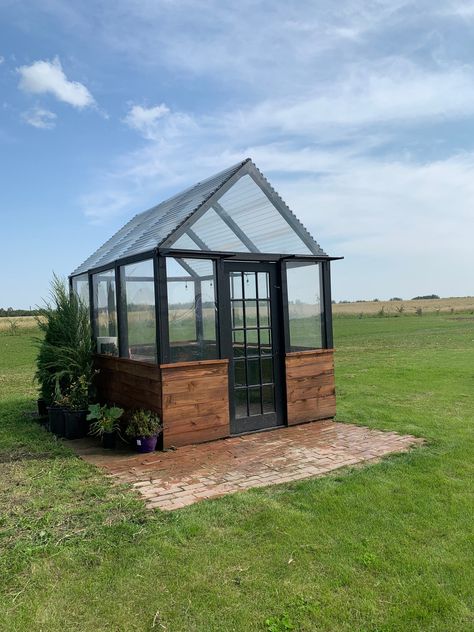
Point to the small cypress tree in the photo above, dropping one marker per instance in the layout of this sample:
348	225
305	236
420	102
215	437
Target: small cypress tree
65	349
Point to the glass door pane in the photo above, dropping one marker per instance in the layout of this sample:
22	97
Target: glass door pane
254	356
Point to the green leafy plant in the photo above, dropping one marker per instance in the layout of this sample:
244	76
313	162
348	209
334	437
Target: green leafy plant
78	394
143	423
65	347
279	624
106	418
60	399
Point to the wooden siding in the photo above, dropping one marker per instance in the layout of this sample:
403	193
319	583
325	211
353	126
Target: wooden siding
195	402
310	387
128	383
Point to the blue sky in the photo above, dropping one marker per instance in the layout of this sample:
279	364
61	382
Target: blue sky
360	112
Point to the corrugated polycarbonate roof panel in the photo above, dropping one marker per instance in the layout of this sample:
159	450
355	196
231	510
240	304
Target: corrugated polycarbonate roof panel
248	217
150	228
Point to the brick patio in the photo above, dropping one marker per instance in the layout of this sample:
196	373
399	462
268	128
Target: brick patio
173	479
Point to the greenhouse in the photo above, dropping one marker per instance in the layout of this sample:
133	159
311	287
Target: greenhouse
213	309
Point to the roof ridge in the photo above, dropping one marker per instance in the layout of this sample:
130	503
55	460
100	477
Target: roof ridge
233	170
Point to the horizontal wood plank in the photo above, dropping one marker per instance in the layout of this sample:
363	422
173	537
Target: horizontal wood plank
310	386
195	402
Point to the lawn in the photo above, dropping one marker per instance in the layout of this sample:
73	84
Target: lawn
381	548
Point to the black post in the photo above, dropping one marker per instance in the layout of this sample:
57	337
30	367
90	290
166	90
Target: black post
93	306
199	315
161	310
122	324
327	304
224	336
285	308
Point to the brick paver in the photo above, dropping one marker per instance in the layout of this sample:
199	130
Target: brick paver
176	478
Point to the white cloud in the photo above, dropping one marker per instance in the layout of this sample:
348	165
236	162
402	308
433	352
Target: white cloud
42	77
40	118
2	59
145	119
394	92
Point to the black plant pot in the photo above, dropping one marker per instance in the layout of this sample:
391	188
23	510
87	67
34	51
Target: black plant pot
159	442
56	421
109	440
42	408
75	424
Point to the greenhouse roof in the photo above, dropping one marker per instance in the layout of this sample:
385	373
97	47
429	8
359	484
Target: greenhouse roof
235	210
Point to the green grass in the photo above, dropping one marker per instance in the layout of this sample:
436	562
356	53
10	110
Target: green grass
381	548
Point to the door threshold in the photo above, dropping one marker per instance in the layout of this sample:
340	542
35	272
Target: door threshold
250	432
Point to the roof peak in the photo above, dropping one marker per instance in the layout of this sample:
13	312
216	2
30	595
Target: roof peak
164	223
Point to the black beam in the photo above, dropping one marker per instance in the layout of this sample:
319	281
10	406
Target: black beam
123	261
187	267
242	256
235	228
197	240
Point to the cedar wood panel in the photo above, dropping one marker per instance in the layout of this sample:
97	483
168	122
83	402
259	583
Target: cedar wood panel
128	383
195	402
310	386
192	398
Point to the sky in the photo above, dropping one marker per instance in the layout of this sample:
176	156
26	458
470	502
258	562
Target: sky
359	112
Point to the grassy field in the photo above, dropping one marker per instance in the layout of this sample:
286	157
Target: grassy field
388	547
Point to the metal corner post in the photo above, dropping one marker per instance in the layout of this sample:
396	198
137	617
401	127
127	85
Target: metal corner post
161	309
327	304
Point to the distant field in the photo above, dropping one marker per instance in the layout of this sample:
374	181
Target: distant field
442	305
454	305
17	322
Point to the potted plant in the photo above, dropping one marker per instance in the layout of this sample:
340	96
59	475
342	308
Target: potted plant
75	416
105	423
56	412
144	426
42	407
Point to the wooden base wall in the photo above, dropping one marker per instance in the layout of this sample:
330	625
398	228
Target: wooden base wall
310	387
192	398
195	402
128	383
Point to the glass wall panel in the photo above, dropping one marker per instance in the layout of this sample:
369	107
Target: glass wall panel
138	288
80	285
191	309
105	312
304	305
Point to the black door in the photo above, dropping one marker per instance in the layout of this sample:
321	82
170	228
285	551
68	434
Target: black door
251	337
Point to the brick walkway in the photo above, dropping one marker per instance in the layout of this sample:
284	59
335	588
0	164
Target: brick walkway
174	479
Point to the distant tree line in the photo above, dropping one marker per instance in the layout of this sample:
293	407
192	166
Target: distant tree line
9	312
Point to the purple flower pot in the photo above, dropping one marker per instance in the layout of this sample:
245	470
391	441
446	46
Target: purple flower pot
145	444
